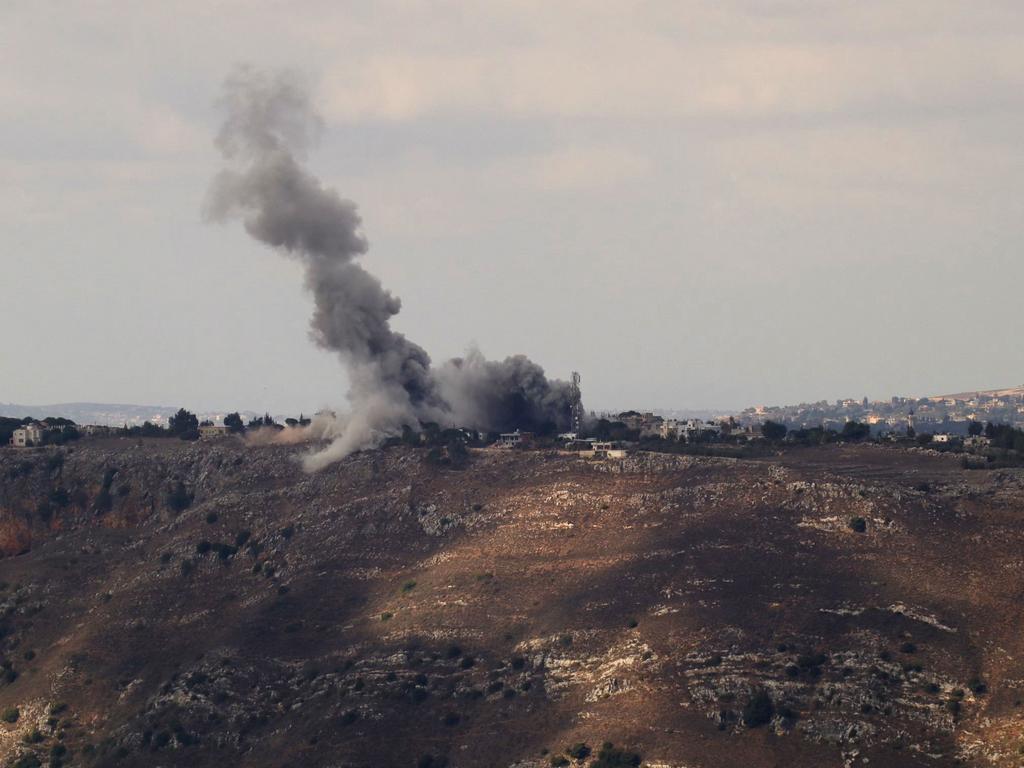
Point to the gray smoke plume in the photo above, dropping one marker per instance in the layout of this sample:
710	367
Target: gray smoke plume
270	126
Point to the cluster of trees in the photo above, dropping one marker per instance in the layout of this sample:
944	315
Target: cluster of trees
852	432
185	425
1005	437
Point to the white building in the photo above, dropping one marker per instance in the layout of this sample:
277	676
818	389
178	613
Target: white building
211	431
515	439
28	435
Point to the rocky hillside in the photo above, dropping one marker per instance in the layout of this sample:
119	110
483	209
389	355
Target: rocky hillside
171	604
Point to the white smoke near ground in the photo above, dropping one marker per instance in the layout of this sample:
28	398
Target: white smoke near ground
270	125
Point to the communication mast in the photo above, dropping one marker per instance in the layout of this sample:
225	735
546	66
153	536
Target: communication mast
576	406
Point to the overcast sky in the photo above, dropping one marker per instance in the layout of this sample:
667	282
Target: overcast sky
695	204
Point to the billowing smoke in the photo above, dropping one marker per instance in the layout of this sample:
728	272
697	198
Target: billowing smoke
270	126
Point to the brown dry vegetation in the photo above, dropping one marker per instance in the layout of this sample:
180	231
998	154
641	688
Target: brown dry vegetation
386	610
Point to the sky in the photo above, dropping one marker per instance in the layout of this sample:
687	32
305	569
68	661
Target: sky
697	205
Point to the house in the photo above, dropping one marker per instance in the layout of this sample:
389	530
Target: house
942	437
515	439
976	442
212	431
29	435
603	450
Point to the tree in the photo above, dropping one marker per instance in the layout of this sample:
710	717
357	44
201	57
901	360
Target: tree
975	428
854	431
233	421
184	424
773	431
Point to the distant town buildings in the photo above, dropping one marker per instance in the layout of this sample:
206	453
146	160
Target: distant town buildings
950	415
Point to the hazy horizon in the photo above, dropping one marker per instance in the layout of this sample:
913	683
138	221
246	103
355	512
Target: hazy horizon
704	206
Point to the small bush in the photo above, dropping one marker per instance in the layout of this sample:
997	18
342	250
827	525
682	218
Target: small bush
559	761
10	715
908	648
212	518
858	524
409	586
288	531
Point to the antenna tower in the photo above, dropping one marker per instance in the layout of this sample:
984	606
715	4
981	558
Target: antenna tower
576	408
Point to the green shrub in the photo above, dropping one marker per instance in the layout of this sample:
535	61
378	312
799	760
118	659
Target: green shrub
858	524
11	715
610	757
409	586
559	761
179	499
578	751
759	710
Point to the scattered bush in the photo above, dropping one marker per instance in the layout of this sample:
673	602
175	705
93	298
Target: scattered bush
858	524
10	715
908	648
211	518
409	586
559	761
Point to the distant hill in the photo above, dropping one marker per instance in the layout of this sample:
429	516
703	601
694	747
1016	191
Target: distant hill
111	414
1011	392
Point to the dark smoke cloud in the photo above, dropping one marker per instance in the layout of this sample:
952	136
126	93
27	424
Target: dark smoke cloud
270	125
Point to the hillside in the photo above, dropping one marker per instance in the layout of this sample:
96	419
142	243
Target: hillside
1010	392
386	612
